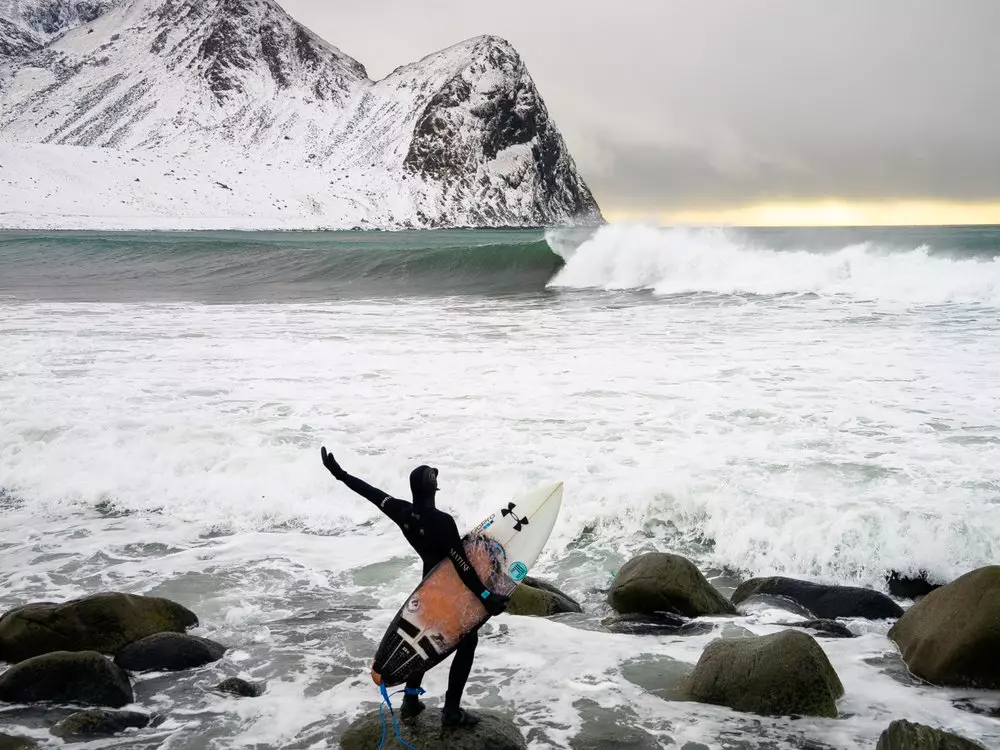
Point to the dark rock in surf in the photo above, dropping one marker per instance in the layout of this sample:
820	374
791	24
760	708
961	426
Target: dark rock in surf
13	742
783	674
657	623
494	732
169	651
759	602
241	688
910	587
825	602
661	582
822	628
952	635
902	735
99	722
84	677
541	599
102	622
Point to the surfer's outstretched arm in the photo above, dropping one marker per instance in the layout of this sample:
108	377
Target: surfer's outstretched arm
389	505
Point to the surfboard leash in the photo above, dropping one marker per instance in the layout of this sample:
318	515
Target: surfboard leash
395	724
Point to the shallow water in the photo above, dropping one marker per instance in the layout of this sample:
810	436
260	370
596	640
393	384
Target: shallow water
821	405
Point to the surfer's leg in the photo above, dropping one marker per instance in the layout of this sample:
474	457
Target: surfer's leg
461	667
412	705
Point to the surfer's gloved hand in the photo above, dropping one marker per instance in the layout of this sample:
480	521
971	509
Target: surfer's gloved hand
331	464
495	603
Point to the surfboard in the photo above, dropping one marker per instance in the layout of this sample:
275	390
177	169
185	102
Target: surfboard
442	610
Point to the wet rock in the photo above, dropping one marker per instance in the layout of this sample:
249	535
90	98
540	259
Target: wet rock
541	599
13	742
84	677
660	582
822	628
99	722
952	635
242	688
910	587
778	675
902	735
657	623
169	651
494	732
827	602
761	602
102	622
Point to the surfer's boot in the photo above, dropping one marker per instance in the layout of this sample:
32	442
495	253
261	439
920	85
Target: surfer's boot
458	717
411	706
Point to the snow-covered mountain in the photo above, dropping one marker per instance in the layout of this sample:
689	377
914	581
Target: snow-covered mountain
230	113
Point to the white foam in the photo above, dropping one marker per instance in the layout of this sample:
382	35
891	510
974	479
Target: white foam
679	260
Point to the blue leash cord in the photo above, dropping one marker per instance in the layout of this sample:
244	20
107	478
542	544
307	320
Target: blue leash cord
395	724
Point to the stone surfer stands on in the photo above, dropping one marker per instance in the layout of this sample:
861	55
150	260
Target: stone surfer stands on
465	582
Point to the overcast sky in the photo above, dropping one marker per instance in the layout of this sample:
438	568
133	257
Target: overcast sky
670	104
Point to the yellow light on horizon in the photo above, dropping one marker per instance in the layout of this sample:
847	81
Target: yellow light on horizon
824	213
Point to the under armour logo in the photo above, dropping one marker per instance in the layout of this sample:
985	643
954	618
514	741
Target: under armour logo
509	511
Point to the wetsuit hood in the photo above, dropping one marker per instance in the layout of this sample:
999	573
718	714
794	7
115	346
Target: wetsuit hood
424	486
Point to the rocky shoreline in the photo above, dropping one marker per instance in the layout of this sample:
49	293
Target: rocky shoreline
81	654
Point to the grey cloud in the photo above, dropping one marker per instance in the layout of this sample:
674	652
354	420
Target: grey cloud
692	103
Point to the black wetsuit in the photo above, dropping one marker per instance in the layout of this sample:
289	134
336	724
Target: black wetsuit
434	536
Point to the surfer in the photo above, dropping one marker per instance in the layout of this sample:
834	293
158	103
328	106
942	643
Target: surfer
434	536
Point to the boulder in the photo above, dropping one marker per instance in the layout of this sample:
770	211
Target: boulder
13	742
494	732
658	623
169	651
84	677
822	628
909	587
902	735
102	622
241	688
660	582
540	599
783	674
826	602
952	635
98	722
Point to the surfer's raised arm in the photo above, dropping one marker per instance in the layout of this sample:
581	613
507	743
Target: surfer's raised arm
389	505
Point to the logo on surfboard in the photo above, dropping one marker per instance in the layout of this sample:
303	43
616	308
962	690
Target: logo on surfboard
518	571
509	511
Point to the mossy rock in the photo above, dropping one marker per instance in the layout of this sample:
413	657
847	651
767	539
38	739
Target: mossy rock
660	582
902	735
494	732
85	677
784	674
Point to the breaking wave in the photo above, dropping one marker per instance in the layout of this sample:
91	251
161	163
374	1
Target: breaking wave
719	261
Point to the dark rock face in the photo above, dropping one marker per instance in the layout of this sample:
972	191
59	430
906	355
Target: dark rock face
102	622
540	599
16	41
952	635
84	677
494	732
99	723
461	125
658	582
902	735
910	587
51	17
169	651
241	688
780	675
826	602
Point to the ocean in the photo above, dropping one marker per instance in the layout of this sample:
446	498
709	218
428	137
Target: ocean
819	403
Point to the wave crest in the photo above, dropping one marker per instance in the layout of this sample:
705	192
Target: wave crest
722	261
